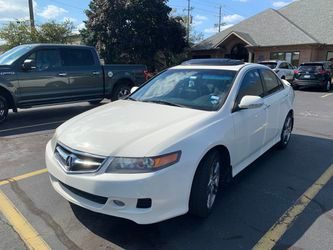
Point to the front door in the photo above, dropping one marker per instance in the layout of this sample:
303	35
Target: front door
273	102
44	82
249	124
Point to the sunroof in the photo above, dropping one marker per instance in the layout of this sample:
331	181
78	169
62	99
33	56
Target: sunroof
213	62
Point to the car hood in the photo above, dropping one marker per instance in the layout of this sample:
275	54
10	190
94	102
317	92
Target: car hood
129	128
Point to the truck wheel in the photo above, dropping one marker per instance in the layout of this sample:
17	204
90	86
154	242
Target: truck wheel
121	91
3	109
206	184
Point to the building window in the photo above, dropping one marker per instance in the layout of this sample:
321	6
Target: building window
330	56
291	57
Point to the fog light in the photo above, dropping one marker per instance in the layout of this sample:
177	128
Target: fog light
119	203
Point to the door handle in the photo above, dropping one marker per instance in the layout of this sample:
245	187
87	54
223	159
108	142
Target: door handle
62	74
267	106
96	73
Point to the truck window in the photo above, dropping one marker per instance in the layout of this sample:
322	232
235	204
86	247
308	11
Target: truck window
77	57
46	59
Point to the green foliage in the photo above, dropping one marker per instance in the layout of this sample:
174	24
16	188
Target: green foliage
134	31
20	32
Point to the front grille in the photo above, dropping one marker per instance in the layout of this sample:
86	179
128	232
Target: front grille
73	161
94	198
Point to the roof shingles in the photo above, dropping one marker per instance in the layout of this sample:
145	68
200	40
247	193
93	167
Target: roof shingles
302	22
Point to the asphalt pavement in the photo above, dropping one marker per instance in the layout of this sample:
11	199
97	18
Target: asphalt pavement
244	213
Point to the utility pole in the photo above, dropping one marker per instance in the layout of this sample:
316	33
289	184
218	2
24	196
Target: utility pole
220	18
188	20
31	12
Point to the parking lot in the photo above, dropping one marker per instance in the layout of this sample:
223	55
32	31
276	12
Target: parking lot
284	199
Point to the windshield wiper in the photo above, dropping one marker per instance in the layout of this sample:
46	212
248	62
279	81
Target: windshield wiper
165	103
131	99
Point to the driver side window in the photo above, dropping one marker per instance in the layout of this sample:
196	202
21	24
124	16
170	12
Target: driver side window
46	60
251	85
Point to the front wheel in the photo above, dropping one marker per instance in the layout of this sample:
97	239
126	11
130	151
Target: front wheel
286	132
206	184
3	109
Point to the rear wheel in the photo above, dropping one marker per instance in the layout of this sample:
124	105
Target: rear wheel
286	132
327	86
206	185
3	109
121	90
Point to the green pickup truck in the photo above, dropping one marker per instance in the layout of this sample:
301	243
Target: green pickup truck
44	74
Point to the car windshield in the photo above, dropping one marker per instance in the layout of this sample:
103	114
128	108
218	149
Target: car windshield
191	88
271	65
12	55
311	68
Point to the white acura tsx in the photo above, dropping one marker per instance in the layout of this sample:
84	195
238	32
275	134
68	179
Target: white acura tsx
174	142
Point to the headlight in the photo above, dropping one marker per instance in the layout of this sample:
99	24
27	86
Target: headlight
142	165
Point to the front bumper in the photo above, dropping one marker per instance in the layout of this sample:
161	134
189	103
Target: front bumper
168	189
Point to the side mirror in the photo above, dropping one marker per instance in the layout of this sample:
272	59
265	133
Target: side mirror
133	89
251	102
29	64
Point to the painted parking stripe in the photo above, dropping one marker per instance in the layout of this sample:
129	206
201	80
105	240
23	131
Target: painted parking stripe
269	240
23	228
23	176
323	96
31	126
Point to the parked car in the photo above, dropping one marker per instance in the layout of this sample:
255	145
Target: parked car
314	74
282	68
174	142
41	74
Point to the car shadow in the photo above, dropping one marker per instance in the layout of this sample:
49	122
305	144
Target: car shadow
41	118
243	212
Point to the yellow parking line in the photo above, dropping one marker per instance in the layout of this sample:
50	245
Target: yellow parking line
27	233
275	233
24	176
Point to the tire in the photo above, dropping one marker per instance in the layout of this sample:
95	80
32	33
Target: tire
206	185
286	132
327	86
95	102
3	109
121	90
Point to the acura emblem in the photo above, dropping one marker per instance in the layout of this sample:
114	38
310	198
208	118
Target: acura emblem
70	161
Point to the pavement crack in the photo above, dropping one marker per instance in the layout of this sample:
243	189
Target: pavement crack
59	232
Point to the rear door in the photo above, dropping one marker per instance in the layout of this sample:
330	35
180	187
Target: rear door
45	82
274	97
84	72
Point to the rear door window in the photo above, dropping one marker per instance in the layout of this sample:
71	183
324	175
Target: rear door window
78	57
283	66
271	82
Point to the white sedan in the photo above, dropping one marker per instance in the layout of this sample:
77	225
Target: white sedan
173	143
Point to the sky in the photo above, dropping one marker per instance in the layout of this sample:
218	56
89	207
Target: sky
205	13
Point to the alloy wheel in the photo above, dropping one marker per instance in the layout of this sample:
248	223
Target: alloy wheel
286	134
123	92
213	184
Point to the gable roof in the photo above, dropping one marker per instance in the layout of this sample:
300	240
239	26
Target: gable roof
294	24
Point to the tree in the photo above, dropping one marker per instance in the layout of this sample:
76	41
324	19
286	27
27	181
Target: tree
20	32
134	31
195	36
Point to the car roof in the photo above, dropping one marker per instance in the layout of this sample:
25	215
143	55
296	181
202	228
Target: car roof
214	62
224	67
